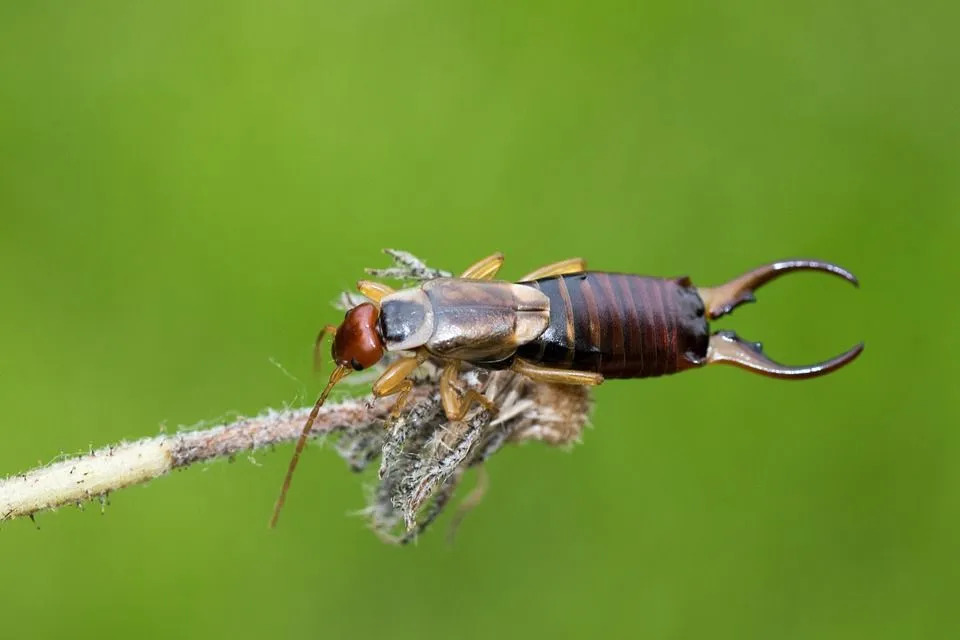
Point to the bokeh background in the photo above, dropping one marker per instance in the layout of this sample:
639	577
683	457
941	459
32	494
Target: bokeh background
185	186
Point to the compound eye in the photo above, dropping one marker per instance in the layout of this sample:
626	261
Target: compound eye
356	365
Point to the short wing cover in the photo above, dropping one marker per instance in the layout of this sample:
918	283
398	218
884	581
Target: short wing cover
476	320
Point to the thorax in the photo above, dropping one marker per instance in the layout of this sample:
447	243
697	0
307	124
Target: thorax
472	320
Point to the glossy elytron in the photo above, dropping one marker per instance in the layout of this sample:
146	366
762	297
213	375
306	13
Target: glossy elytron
559	324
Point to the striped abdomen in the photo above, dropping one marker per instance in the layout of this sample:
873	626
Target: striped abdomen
620	325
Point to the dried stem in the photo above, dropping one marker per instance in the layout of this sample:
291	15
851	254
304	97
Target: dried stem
96	474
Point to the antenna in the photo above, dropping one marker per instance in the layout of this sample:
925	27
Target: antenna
338	374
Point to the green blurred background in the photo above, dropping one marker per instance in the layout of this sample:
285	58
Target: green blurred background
184	186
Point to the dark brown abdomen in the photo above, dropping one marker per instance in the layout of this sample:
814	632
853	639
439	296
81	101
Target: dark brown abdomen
620	325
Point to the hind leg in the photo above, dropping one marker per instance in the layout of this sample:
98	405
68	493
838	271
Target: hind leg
538	373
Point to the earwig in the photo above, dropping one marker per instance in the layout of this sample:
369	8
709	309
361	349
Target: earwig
559	324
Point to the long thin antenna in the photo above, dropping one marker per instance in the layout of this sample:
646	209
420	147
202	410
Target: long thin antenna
338	374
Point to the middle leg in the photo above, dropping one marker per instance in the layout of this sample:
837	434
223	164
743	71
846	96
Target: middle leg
455	405
485	269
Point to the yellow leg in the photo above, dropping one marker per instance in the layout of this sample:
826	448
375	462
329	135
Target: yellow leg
455	405
556	376
572	265
485	269
375	291
394	381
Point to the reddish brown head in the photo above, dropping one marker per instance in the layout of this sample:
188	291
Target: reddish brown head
358	344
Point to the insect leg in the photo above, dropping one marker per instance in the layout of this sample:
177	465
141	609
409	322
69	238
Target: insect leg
538	373
455	405
571	265
375	291
485	269
394	380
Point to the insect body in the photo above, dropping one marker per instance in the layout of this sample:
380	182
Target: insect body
559	324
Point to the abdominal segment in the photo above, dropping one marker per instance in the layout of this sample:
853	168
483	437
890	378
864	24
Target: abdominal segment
620	325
